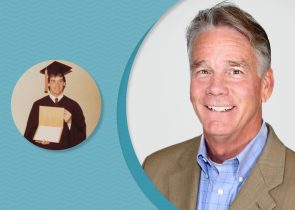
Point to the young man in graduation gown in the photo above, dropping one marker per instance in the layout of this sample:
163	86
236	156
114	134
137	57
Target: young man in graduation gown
74	127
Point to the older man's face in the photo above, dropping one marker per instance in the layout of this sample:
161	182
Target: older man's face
226	91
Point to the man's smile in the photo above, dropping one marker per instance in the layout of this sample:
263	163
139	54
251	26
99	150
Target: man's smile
220	108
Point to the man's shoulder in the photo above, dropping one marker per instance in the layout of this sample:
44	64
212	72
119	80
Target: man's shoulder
280	166
172	156
174	151
70	100
165	162
283	194
42	100
290	159
290	155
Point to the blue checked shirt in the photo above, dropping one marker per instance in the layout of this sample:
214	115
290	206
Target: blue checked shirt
220	183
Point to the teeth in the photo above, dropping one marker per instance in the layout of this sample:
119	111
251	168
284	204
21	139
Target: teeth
220	108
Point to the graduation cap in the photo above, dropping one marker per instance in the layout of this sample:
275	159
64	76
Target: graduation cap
54	68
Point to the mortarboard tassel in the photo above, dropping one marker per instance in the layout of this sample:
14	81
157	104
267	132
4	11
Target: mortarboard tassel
46	82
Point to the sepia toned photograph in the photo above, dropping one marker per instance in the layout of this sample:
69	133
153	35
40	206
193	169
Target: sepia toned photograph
56	105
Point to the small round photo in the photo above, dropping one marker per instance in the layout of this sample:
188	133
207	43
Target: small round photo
56	105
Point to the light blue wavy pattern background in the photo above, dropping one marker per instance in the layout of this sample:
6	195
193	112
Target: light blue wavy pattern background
99	36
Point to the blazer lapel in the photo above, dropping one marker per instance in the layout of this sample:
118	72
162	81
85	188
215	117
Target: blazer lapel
254	194
265	176
184	183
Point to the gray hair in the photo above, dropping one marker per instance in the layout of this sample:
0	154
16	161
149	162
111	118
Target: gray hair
227	14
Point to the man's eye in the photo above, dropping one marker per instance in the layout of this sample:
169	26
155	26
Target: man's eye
236	71
202	72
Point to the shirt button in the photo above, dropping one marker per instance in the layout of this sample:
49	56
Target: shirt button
241	179
220	191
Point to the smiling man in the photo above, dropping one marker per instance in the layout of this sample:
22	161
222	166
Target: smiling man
74	127
238	162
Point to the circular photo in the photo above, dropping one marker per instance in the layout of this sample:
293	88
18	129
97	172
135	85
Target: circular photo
56	105
159	108
203	113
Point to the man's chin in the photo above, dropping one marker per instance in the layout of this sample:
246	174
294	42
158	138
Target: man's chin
217	128
56	93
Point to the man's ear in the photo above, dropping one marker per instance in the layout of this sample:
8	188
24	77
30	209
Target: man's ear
267	84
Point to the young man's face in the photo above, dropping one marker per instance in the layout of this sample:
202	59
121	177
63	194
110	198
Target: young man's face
226	91
56	85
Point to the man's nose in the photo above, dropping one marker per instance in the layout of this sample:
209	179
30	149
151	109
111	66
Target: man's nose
217	86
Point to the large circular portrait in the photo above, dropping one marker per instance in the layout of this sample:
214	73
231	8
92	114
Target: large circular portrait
204	106
159	110
56	105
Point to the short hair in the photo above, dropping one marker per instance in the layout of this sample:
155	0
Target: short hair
227	14
56	74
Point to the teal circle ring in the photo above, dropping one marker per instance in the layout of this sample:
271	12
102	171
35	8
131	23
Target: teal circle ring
129	154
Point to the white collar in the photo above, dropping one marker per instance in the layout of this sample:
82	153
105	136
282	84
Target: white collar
54	97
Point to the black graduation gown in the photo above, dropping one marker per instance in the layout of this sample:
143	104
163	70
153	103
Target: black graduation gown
69	137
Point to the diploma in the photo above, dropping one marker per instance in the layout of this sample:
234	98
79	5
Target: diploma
50	124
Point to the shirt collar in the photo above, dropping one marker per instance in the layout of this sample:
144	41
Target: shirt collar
202	156
54	97
249	155
246	158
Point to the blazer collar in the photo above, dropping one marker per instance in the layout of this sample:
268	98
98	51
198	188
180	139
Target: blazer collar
184	183
266	175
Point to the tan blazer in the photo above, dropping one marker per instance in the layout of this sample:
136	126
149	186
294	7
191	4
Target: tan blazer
270	185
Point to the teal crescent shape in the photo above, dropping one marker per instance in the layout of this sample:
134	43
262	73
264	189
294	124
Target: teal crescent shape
129	154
